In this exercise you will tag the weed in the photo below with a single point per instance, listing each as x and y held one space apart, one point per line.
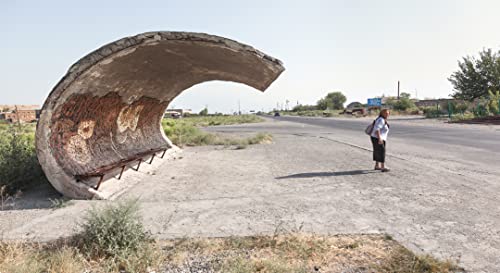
19 166
6 199
402 260
114 231
58 203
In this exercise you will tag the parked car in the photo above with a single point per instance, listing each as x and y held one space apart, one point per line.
277 114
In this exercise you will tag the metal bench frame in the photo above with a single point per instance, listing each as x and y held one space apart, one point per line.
101 171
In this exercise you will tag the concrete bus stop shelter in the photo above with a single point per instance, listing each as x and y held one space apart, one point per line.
104 116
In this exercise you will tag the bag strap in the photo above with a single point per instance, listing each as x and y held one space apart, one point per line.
385 121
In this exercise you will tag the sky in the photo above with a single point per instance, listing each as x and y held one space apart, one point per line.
361 48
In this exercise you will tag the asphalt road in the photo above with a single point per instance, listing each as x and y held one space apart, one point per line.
406 129
475 147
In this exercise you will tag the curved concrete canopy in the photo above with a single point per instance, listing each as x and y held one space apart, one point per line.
108 108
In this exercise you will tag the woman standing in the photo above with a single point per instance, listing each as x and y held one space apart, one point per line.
379 138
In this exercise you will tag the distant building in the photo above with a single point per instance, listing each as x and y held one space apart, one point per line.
443 103
24 113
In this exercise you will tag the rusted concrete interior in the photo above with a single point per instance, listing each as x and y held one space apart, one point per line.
107 109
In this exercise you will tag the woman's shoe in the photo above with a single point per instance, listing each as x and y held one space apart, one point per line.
385 170
377 169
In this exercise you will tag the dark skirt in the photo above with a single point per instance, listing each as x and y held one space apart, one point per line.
378 150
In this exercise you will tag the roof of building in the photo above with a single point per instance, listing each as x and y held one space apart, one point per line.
12 107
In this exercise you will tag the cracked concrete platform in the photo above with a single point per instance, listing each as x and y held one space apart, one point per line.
309 179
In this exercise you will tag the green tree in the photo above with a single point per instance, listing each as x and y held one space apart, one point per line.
404 103
405 95
204 112
332 101
322 104
476 76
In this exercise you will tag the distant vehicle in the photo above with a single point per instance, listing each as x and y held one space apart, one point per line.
277 114
355 111
175 115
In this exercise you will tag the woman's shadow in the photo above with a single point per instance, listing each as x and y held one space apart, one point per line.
326 174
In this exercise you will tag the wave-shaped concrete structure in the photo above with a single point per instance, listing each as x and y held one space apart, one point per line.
106 111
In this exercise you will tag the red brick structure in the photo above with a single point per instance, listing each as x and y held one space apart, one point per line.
24 116
23 113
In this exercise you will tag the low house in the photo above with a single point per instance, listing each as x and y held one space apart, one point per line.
21 113
23 116
443 103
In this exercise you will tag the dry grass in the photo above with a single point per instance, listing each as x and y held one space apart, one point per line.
205 121
306 253
27 258
282 253
18 257
186 131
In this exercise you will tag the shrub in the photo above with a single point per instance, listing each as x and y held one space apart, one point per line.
300 108
461 107
432 112
19 166
481 110
403 104
493 102
114 231
465 116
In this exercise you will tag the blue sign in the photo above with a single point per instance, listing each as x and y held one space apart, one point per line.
375 102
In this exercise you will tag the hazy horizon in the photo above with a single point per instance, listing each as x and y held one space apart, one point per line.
361 48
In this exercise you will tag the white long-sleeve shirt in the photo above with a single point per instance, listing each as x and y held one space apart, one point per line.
381 125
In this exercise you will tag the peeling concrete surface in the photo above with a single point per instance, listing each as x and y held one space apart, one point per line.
107 109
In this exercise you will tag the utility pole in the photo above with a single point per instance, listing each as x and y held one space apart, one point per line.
398 90
239 108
